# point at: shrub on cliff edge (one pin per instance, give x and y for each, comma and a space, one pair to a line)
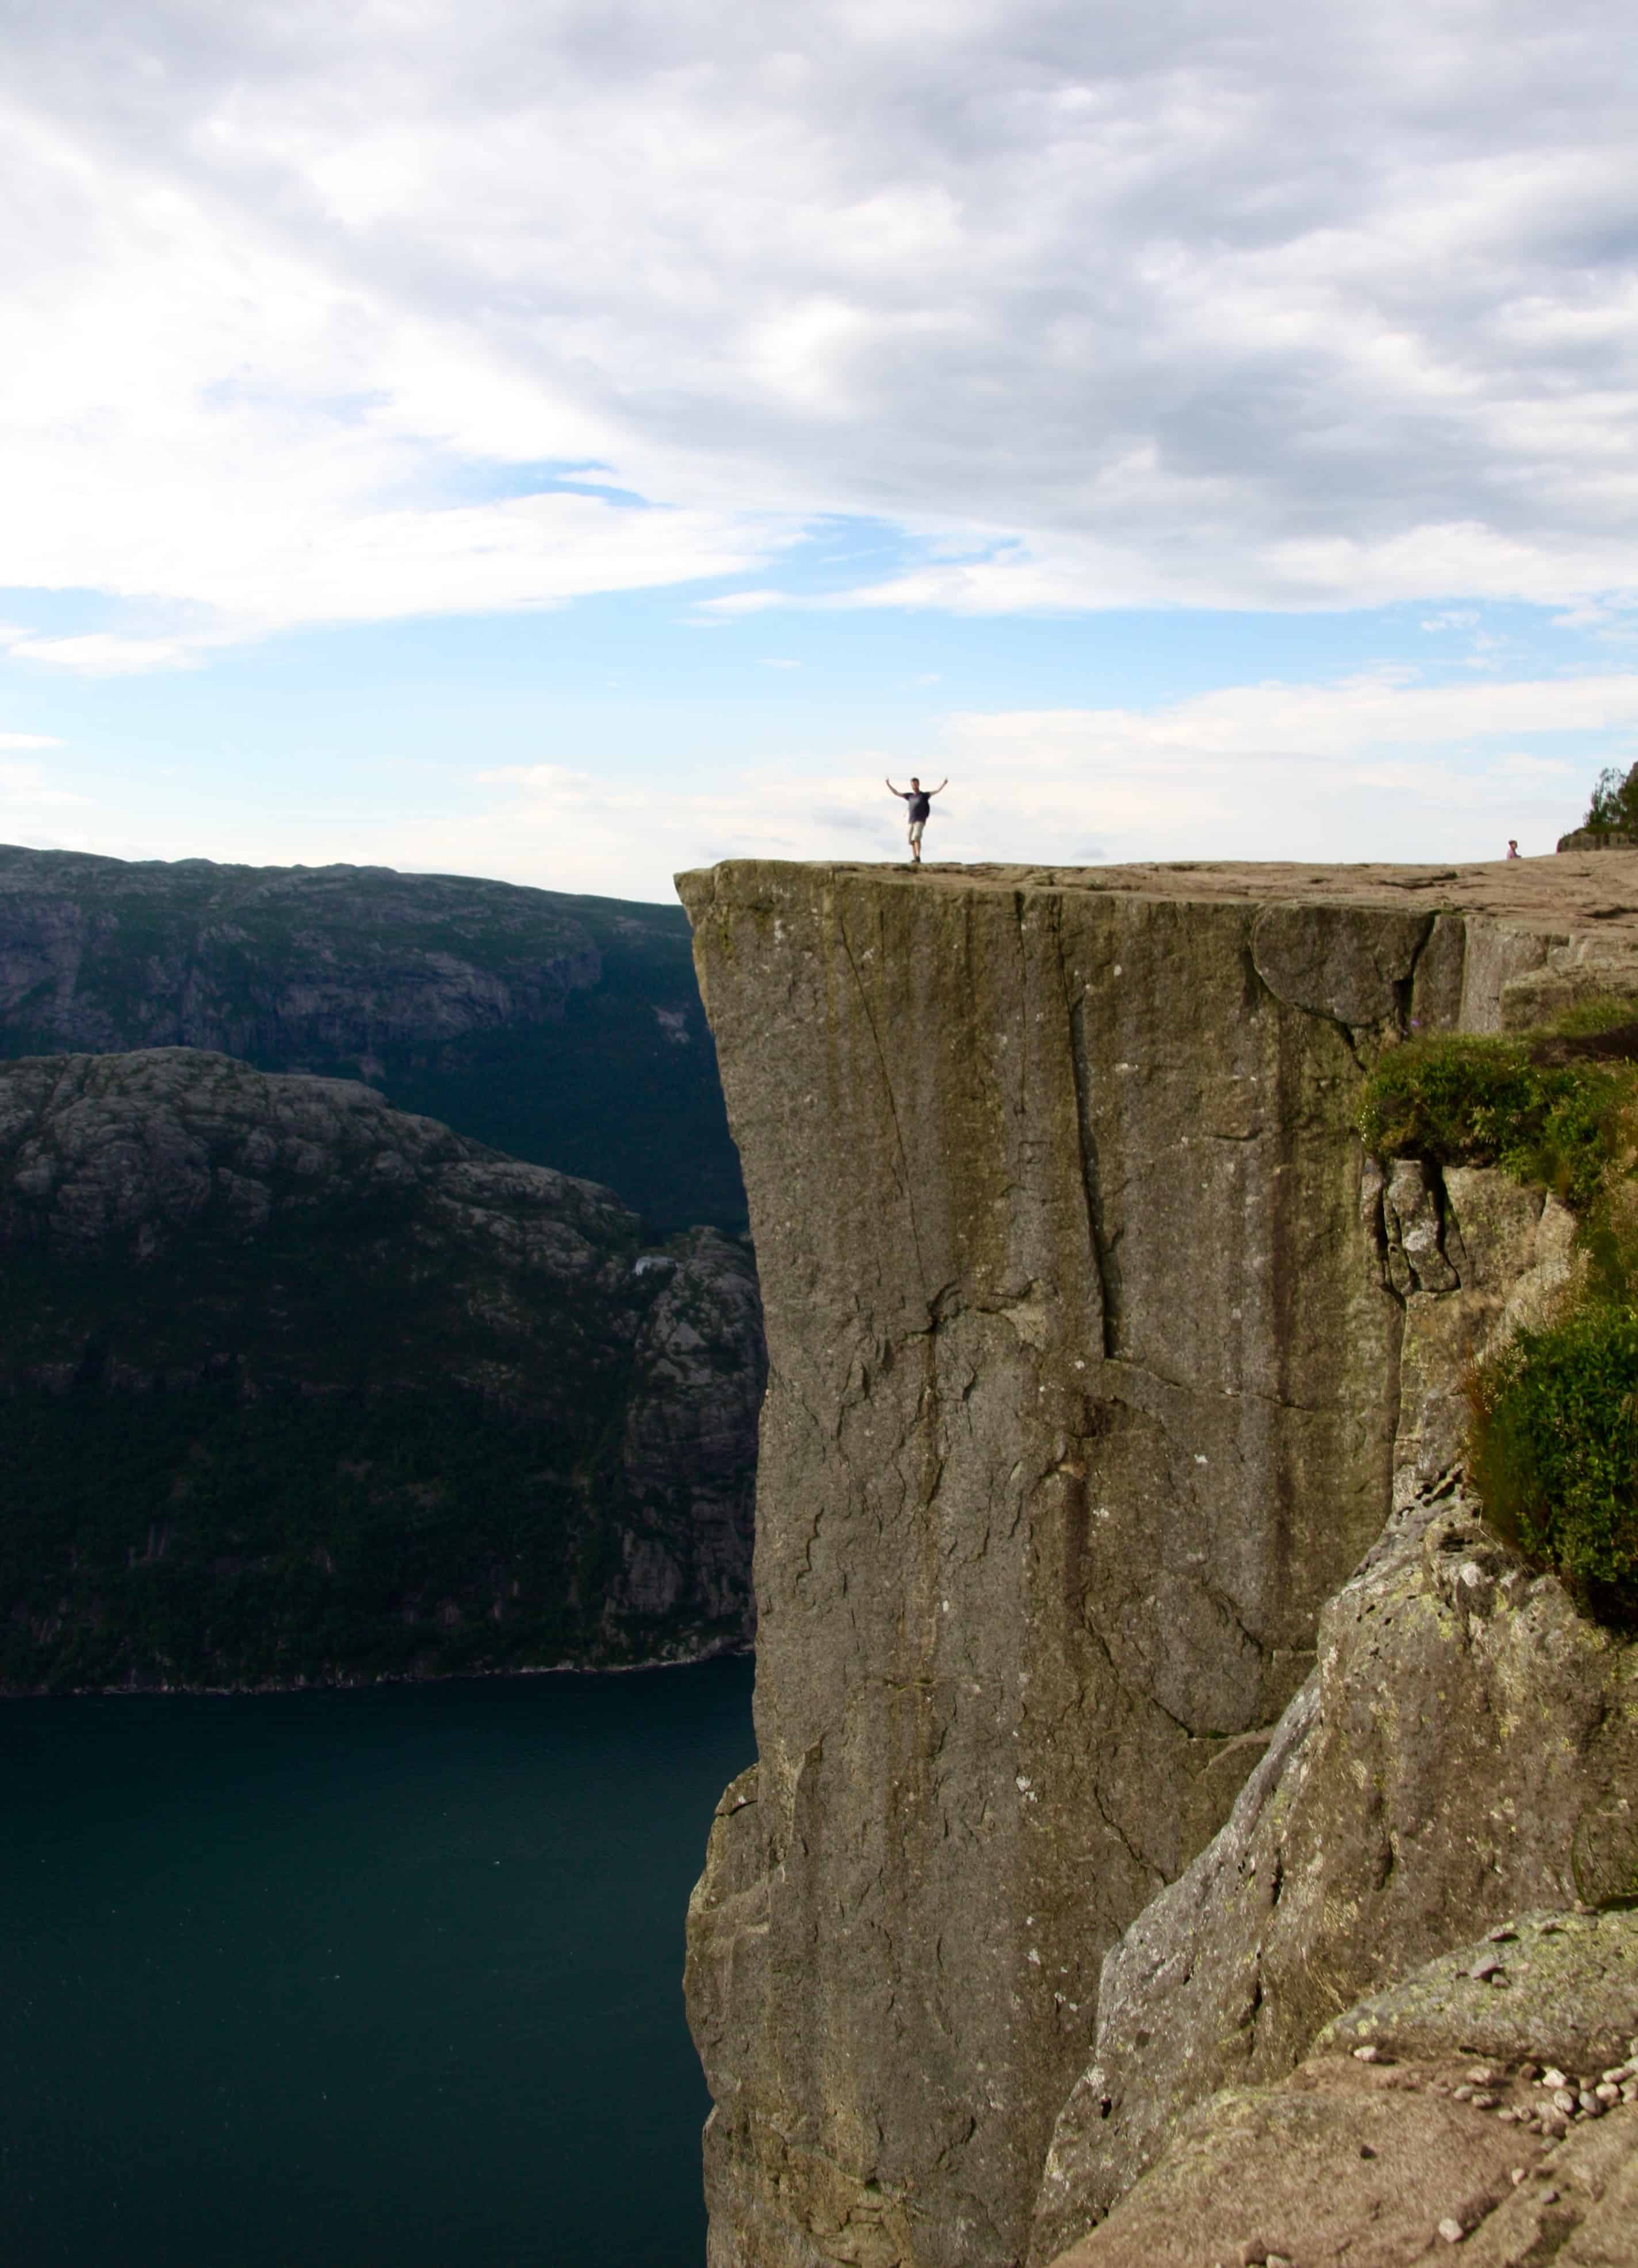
1554, 1452
1554, 1447
1464, 1100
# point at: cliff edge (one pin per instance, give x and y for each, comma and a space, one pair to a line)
1085, 1346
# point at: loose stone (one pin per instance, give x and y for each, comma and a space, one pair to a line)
1451, 2230
1485, 1968
1369, 2054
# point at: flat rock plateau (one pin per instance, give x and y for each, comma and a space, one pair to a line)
1136, 1689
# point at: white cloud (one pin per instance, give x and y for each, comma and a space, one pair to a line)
1393, 771
1284, 306
29, 740
25, 790
100, 653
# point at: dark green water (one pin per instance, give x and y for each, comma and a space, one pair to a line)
376, 1979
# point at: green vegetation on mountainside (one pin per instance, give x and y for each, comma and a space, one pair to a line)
1554, 1447
293, 1387
193, 1538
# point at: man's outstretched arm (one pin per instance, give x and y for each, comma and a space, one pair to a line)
942, 785
898, 792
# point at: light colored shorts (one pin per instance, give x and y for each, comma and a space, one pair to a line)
916, 826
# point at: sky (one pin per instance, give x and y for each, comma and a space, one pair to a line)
574, 442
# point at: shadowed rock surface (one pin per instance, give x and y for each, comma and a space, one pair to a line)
298, 1386
565, 1030
1086, 1326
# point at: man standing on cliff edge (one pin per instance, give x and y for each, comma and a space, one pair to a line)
920, 802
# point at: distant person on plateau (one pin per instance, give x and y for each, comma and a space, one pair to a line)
1512, 848
920, 801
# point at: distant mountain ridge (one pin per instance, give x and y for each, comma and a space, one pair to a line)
564, 1030
298, 1387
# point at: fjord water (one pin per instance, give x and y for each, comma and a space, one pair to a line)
335, 1979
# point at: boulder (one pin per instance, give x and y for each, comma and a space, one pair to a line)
1455, 2107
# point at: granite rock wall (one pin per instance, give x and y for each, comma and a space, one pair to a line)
1086, 1322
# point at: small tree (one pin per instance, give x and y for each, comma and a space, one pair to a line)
1613, 808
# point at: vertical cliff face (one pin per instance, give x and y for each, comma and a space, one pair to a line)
1085, 1337
1084, 1386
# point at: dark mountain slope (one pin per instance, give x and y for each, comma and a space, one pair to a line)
564, 1030
296, 1386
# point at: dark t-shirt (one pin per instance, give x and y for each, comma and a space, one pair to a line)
921, 806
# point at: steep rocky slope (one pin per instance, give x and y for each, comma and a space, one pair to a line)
1086, 1332
299, 1386
566, 1030
1469, 1746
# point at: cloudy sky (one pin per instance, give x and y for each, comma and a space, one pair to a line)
571, 441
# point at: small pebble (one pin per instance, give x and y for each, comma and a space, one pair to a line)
1461, 2093
1482, 2076
1517, 2175
1369, 2054
1629, 2090
1530, 2071
1484, 1968
1551, 2077
1617, 2073
1485, 2102
1502, 1934
1606, 2092
1452, 2231
1253, 2253
1591, 2106
1549, 2197
1563, 2101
